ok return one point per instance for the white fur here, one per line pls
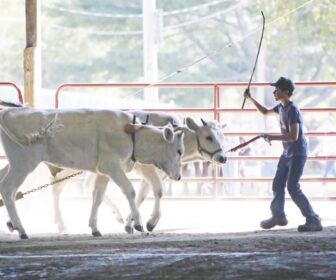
(90, 140)
(152, 177)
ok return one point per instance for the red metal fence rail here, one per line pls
(19, 95)
(217, 110)
(17, 89)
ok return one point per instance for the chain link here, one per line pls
(52, 183)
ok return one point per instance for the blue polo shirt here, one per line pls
(289, 115)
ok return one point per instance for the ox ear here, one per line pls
(191, 124)
(168, 134)
(131, 128)
(223, 125)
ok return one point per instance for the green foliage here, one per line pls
(299, 42)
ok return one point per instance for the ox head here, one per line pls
(160, 147)
(210, 139)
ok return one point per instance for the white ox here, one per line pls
(201, 142)
(92, 140)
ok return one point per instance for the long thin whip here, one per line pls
(215, 52)
(242, 145)
(255, 63)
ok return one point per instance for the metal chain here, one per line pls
(52, 183)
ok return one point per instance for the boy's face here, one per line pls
(280, 94)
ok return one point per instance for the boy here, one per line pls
(292, 161)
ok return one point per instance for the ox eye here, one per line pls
(209, 138)
(179, 152)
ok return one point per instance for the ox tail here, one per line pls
(32, 137)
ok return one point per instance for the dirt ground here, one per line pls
(275, 254)
(194, 240)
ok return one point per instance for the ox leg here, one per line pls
(4, 171)
(156, 182)
(114, 209)
(151, 178)
(56, 193)
(186, 173)
(141, 195)
(56, 174)
(100, 185)
(198, 173)
(119, 177)
(8, 188)
(90, 181)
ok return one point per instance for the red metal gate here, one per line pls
(19, 96)
(217, 110)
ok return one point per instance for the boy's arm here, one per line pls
(263, 110)
(292, 136)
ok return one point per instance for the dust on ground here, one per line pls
(197, 239)
(274, 254)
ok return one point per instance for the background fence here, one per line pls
(247, 170)
(226, 179)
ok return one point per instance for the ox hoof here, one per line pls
(23, 236)
(10, 226)
(97, 234)
(62, 229)
(139, 228)
(129, 229)
(150, 227)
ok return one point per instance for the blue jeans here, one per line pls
(289, 171)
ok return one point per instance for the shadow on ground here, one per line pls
(275, 254)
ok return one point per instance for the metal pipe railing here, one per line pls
(9, 84)
(217, 111)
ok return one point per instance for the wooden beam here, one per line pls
(29, 52)
(31, 23)
(29, 75)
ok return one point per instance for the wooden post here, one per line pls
(29, 74)
(29, 52)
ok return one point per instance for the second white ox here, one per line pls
(202, 142)
(93, 140)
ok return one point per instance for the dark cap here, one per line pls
(284, 84)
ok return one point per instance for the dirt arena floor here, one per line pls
(276, 254)
(194, 240)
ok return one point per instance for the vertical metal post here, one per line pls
(151, 40)
(217, 117)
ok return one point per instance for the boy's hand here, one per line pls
(267, 138)
(247, 93)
